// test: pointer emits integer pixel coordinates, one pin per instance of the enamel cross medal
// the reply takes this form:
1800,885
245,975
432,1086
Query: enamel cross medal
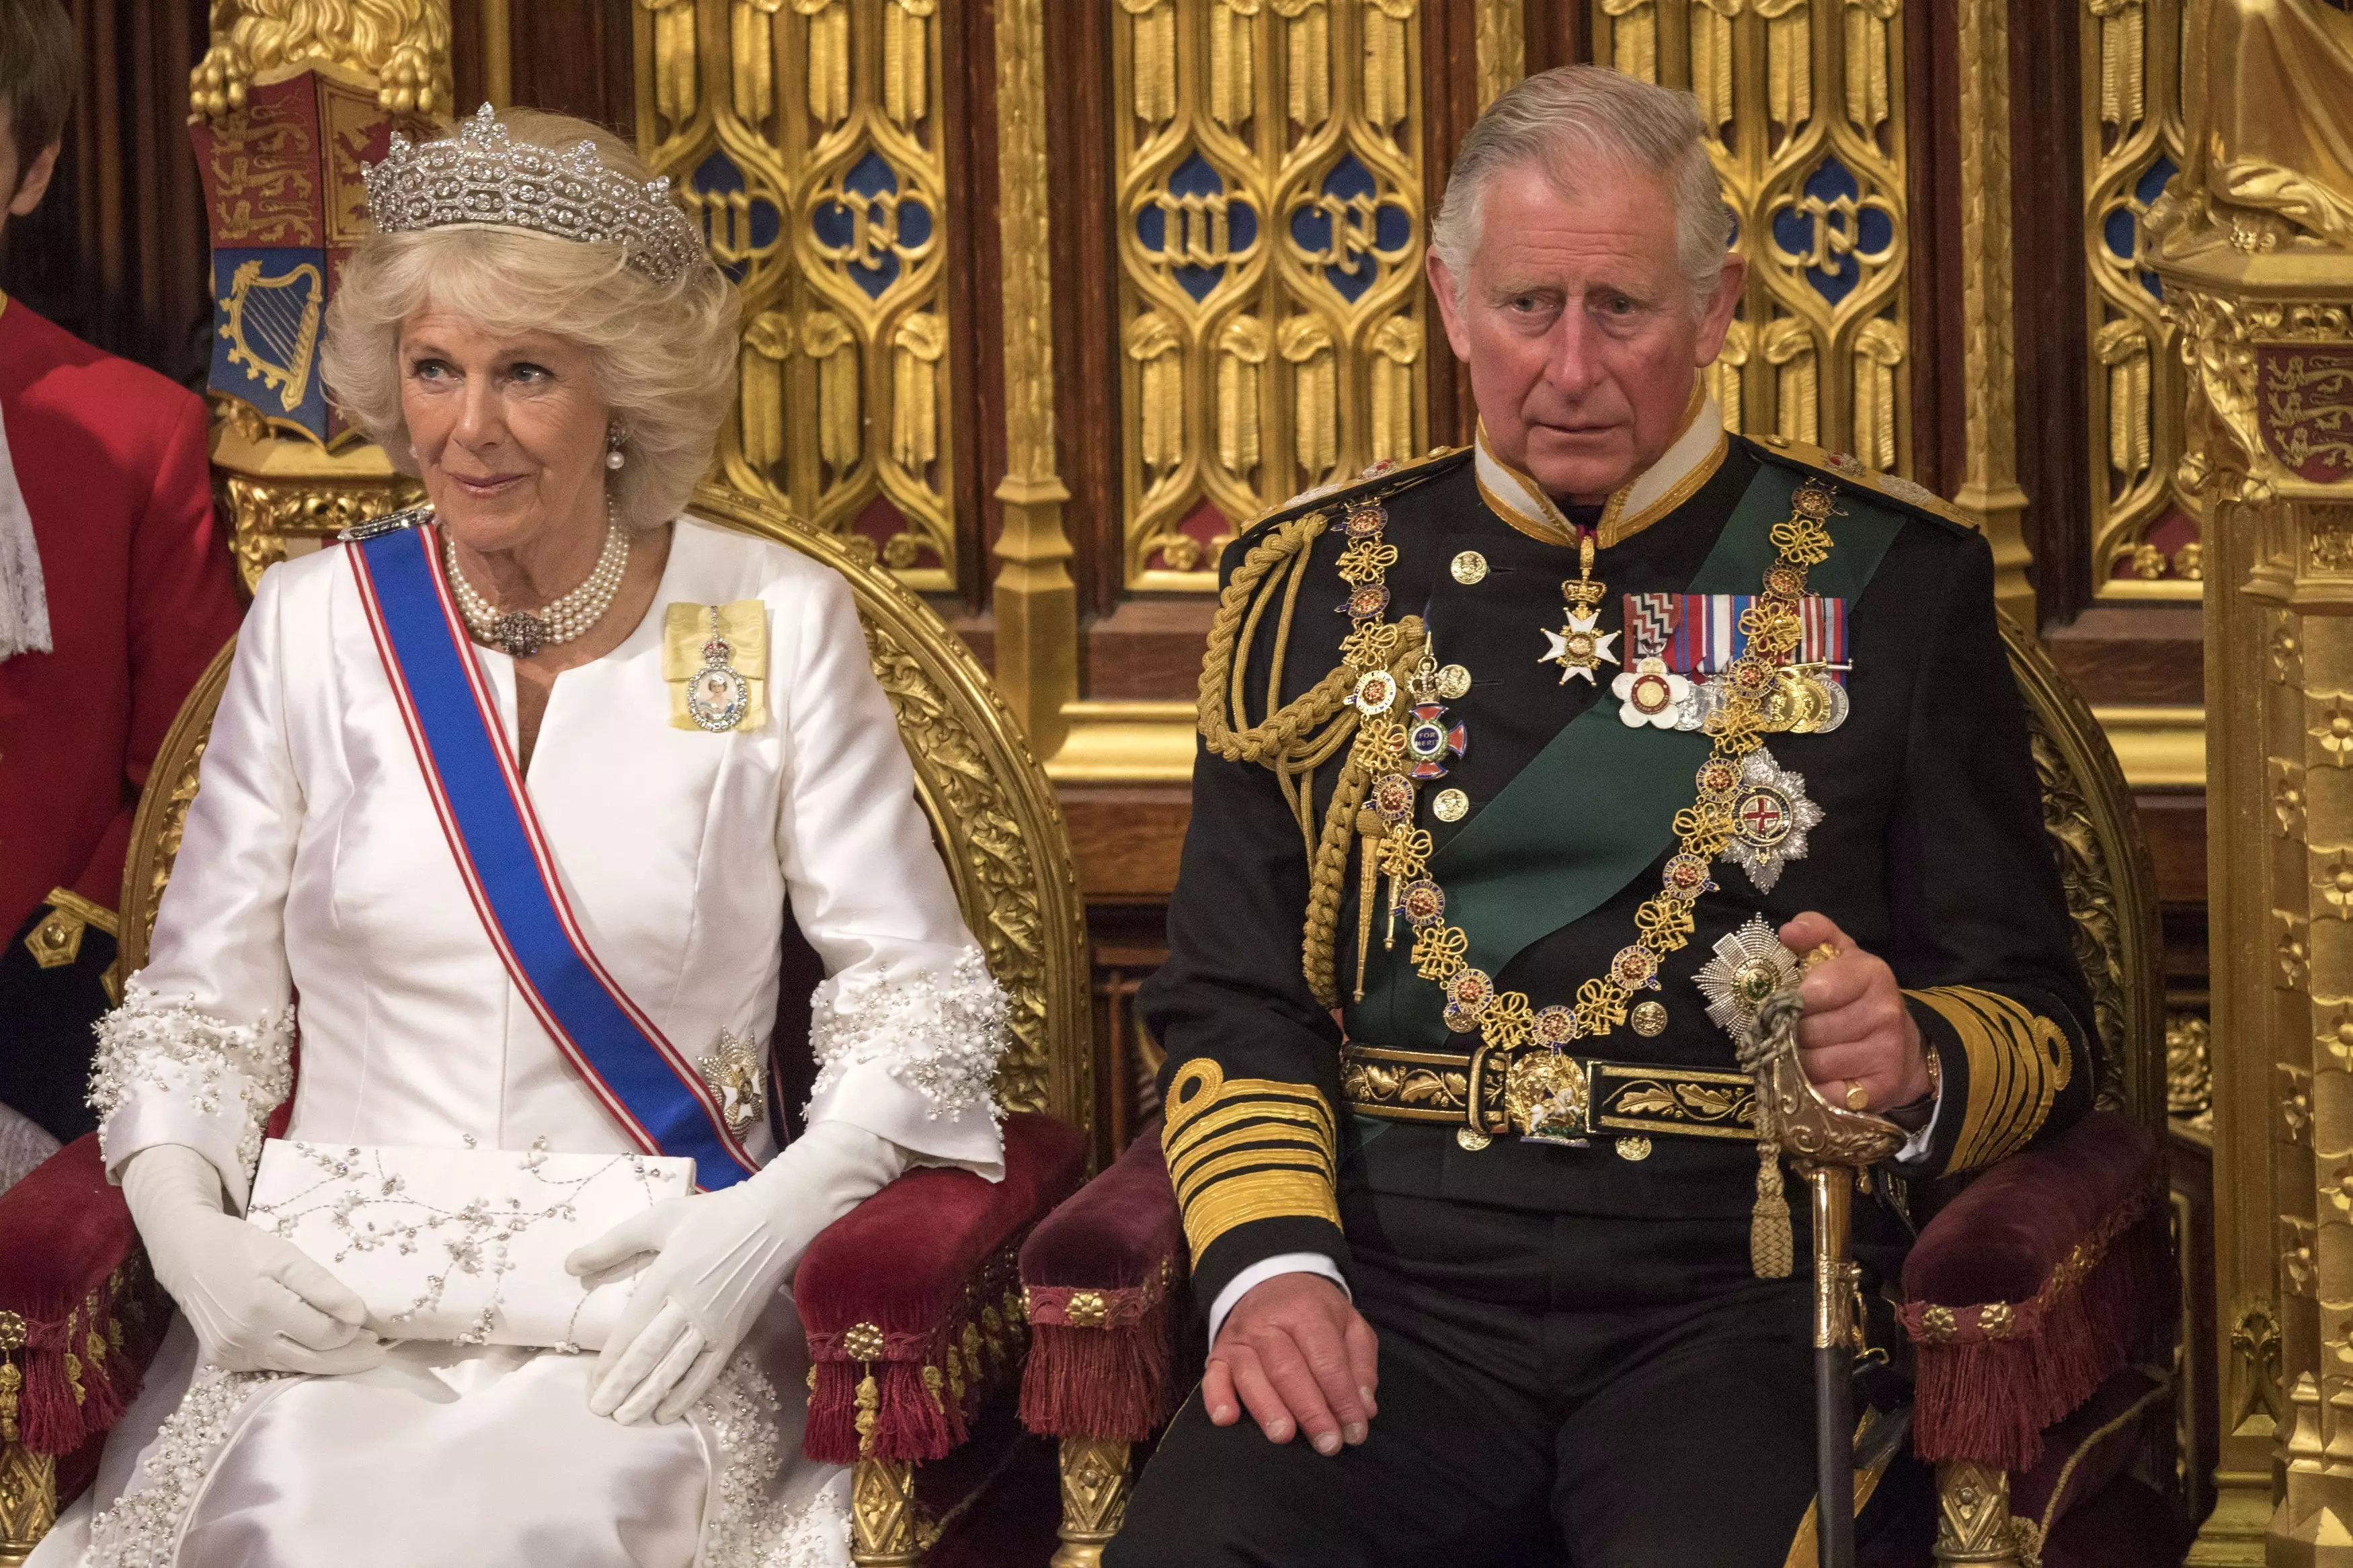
1580,644
718,695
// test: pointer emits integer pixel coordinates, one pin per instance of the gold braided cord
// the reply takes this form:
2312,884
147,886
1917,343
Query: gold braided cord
1280,732
1299,737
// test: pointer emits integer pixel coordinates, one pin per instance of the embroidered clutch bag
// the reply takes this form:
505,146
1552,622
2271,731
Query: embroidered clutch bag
464,1244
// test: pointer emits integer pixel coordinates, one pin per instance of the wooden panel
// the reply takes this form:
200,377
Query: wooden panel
1127,838
2047,253
572,57
1086,300
2133,653
1148,648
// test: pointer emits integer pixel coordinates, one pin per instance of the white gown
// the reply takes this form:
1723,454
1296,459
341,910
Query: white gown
314,885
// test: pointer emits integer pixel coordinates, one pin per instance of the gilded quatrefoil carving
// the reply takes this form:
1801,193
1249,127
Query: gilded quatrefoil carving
2334,885
2333,731
2334,1035
2287,797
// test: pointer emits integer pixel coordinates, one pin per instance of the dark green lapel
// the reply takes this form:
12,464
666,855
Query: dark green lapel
1597,805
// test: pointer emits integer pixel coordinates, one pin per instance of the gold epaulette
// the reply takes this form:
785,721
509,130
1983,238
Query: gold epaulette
1245,1149
1280,538
1901,494
2018,1062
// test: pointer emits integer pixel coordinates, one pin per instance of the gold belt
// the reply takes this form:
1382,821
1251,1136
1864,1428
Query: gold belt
1546,1096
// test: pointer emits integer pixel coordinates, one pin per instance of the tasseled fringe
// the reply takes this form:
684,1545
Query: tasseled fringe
1991,1379
915,1399
82,1368
1110,1382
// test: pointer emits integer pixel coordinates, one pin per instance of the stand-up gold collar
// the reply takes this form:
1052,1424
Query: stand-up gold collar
1690,459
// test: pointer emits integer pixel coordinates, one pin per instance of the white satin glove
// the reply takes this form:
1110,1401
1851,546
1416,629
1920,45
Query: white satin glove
255,1302
720,1257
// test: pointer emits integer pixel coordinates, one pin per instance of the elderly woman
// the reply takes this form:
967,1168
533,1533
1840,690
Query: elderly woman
502,814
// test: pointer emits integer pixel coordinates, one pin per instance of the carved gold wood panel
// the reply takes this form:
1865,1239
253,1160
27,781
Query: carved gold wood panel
808,136
1804,101
2145,531
1268,162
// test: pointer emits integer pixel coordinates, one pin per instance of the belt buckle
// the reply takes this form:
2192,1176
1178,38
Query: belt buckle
1549,1095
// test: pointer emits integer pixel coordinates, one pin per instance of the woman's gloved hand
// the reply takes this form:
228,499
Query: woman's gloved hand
718,1259
255,1302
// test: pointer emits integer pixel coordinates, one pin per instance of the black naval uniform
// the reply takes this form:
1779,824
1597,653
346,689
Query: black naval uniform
1576,1361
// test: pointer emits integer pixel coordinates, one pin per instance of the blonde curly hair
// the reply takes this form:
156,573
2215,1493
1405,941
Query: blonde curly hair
664,352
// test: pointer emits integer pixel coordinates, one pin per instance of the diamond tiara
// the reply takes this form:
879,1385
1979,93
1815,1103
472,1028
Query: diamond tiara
483,175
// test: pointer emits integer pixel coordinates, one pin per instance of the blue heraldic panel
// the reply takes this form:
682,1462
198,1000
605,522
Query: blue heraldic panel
269,309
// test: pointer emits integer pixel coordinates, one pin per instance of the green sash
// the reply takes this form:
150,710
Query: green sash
1593,809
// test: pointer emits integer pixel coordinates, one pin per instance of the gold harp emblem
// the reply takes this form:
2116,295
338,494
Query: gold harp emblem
272,327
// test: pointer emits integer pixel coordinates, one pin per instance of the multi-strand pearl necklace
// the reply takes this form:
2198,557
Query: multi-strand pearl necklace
523,632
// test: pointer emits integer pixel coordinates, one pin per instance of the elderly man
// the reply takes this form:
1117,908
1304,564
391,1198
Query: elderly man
1559,751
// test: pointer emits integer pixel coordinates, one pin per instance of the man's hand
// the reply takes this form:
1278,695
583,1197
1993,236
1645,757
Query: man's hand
1857,1029
1298,1355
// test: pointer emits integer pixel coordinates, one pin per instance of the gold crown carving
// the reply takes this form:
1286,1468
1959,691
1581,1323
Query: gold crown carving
484,177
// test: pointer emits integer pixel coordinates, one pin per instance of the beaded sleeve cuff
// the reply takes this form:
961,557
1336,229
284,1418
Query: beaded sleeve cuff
157,1045
942,1032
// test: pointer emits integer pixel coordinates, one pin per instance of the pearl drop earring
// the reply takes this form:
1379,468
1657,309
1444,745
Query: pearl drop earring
614,439
613,458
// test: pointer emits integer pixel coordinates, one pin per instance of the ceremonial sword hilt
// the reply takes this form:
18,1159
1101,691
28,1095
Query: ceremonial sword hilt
1827,1142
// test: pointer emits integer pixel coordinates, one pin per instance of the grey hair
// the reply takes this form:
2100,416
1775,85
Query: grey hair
1564,119
664,352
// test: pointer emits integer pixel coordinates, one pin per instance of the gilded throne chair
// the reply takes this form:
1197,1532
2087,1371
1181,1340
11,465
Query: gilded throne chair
911,1304
2038,1301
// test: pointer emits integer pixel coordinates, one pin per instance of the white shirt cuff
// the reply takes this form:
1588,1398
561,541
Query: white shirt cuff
1267,1268
1915,1148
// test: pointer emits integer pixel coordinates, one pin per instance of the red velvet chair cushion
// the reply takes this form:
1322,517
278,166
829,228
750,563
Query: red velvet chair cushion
1101,1275
73,1276
2013,1226
2087,1450
901,1296
2034,1286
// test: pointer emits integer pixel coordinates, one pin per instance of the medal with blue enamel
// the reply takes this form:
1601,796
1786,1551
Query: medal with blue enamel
1430,738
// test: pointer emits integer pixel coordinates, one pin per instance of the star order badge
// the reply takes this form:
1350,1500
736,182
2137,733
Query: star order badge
732,1071
1749,965
1770,817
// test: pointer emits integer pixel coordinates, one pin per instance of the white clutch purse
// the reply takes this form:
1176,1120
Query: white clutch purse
464,1244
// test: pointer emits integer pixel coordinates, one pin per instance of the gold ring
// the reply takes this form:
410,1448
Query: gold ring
1857,1097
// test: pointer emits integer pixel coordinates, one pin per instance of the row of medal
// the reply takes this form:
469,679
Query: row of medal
1673,637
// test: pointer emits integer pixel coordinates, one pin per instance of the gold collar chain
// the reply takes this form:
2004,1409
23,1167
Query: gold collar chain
1504,1021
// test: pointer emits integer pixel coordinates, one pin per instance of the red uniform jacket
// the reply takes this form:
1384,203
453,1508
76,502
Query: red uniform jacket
112,460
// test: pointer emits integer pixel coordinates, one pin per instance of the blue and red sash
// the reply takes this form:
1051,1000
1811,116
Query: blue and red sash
652,1089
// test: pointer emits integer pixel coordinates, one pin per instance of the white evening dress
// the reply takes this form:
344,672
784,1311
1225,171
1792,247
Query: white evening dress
314,888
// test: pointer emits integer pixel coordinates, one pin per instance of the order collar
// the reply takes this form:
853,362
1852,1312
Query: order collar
1689,461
